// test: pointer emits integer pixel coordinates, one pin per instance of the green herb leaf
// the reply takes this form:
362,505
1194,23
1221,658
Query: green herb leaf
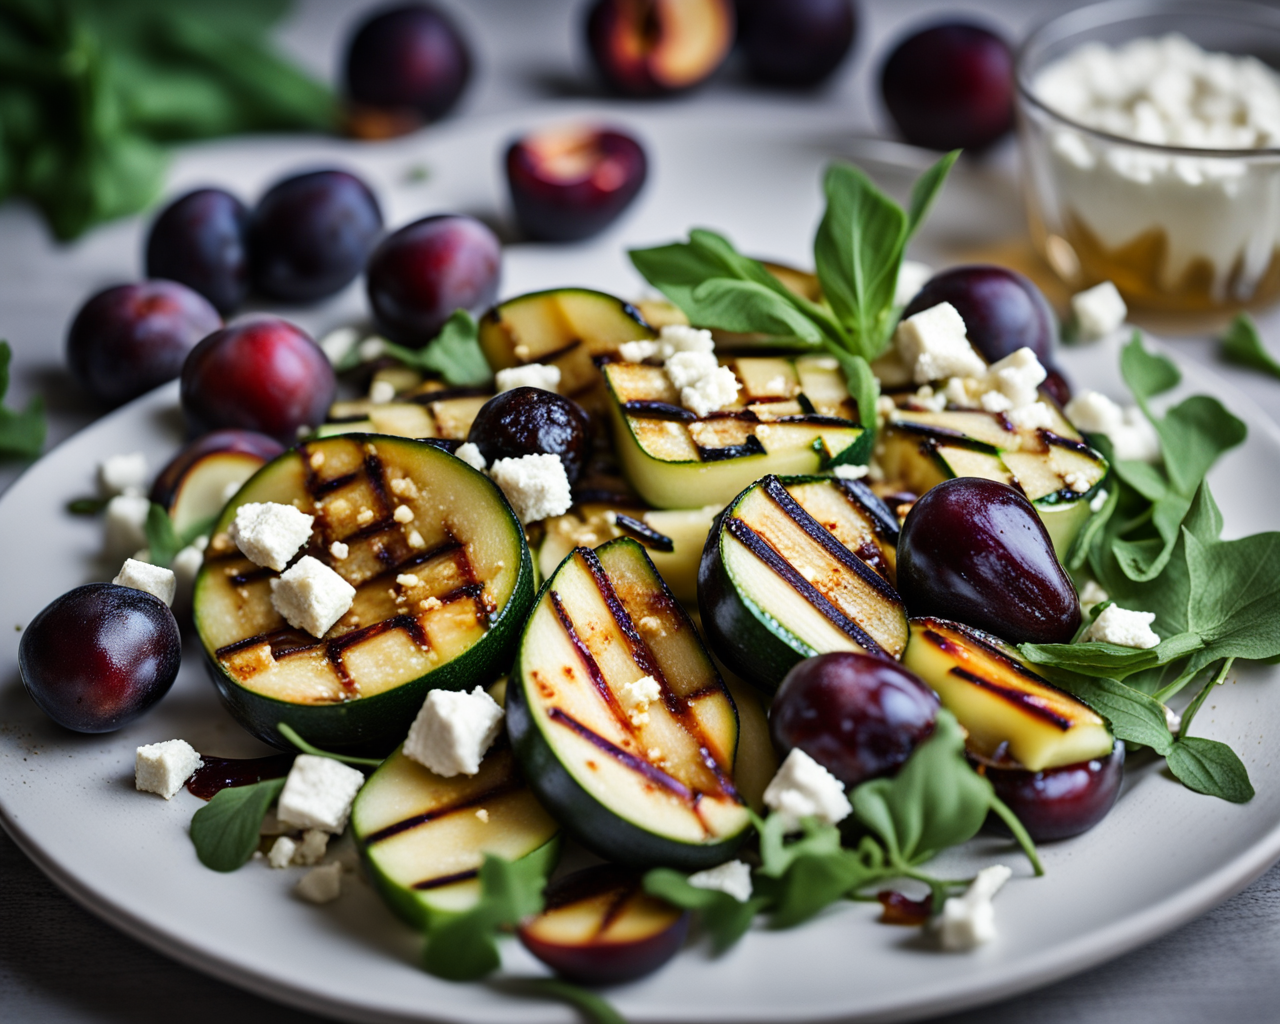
21,433
454,353
225,830
747,306
1134,716
1235,591
1210,767
290,734
864,386
1095,658
163,541
594,1007
200,528
1243,345
724,918
926,189
86,506
1146,373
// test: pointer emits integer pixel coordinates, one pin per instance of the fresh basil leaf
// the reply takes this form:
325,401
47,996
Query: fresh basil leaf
291,734
1210,767
1235,591
1134,717
594,1007
926,189
162,540
864,386
455,353
724,918
1146,373
1243,345
1146,479
225,830
86,506
1194,434
746,306
21,433
1111,660
1093,529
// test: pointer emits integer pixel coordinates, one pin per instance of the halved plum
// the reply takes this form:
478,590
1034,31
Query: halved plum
194,484
1058,803
658,47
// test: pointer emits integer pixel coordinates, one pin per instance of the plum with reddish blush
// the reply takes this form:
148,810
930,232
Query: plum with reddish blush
263,375
659,47
131,338
976,552
99,656
858,716
950,86
193,484
571,184
420,274
1058,803
795,43
1002,310
199,240
410,59
531,421
310,235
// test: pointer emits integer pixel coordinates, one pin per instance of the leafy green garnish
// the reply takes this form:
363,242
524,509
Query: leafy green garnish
724,918
21,433
225,830
1242,345
86,506
593,1007
290,734
454,353
858,250
163,541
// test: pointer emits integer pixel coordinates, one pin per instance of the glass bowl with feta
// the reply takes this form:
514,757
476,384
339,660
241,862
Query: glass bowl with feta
1150,136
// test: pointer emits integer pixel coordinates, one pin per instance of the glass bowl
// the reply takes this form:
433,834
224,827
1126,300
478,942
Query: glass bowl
1178,229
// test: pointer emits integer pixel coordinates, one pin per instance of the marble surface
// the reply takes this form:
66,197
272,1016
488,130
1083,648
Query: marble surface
61,965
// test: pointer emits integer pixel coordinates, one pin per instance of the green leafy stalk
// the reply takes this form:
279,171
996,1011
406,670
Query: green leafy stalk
594,1007
21,433
1243,346
290,734
454,353
225,830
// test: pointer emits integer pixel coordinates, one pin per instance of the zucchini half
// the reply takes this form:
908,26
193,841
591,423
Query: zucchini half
793,416
800,566
421,409
362,683
921,448
641,787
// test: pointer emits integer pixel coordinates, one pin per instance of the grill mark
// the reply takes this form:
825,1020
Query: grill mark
759,547
751,446
586,657
1025,700
251,576
637,764
744,415
322,487
644,533
450,545
443,880
616,906
645,408
1069,443
865,500
979,638
817,420
508,785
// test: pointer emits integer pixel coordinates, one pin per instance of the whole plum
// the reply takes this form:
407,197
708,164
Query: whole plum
795,43
199,240
531,421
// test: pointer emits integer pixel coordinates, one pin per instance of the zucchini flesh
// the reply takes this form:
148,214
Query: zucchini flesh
639,788
427,409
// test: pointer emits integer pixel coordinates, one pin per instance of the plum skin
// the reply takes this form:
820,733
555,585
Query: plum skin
199,240
130,338
420,274
100,656
263,375
1058,803
531,421
857,715
625,37
976,552
795,43
248,442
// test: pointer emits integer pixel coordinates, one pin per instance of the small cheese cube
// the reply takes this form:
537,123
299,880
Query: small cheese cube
1098,502
675,338
1018,377
531,375
453,730
339,550
732,877
269,533
685,369
381,392
847,472
123,474
1098,311
714,392
402,514
321,885
912,276
803,788
281,853
318,794
637,695
935,346
371,349
637,351
154,579
1031,417
1124,628
470,454
164,767
311,596
970,920
311,849
1172,720
536,486
126,523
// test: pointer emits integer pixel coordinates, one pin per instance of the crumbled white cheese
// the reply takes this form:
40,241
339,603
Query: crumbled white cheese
453,730
311,849
732,877
126,523
381,392
164,767
536,486
1172,720
637,695
372,348
1031,417
154,579
968,921
687,368
402,514
1098,502
531,375
1018,377
1131,434
318,793
1123,627
912,276
675,338
848,472
339,550
711,393
994,401
638,351
1092,594
123,474
470,454
311,596
1098,311
934,345
802,788
281,853
1077,481
321,885
338,342
962,392
927,398
269,533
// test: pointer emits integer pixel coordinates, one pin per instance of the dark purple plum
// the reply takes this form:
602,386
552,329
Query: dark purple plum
310,235
1058,803
530,421
1057,387
659,47
131,338
795,43
950,87
263,374
99,656
601,928
1001,309
571,184
975,551
420,274
199,240
858,716
408,59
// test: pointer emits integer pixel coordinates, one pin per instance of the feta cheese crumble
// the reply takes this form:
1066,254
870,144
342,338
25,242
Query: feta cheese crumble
802,788
318,794
311,596
912,276
470,454
637,695
849,472
1092,594
1124,628
638,351
1131,434
339,550
164,767
123,474
1172,720
269,533
536,486
933,344
153,579
1098,311
675,338
321,885
311,849
711,393
126,523
1098,502
381,392
281,853
1017,377
531,375
338,342
732,877
453,730
969,920
685,369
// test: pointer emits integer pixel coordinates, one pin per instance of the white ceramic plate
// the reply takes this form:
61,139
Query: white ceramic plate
1163,856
